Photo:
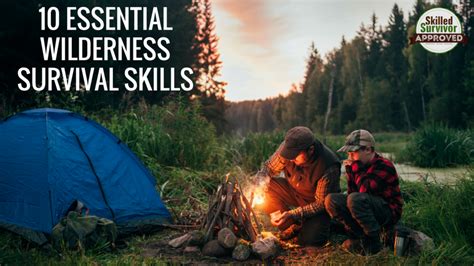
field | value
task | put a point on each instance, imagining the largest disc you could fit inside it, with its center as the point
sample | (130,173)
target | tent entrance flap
(102,192)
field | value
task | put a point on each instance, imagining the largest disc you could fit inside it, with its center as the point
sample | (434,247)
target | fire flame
(257,200)
(257,197)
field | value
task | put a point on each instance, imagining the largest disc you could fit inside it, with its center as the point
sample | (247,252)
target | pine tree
(467,13)
(211,88)
(445,4)
(418,70)
(418,9)
(374,43)
(311,64)
(396,67)
(311,84)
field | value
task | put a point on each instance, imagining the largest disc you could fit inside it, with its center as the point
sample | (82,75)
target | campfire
(230,209)
(230,226)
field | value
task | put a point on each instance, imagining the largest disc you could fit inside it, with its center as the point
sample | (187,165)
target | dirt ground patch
(158,249)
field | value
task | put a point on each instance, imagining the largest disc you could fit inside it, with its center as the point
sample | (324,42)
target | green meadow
(188,170)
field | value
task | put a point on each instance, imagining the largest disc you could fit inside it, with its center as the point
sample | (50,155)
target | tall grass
(436,145)
(254,149)
(173,135)
(391,142)
(251,151)
(444,213)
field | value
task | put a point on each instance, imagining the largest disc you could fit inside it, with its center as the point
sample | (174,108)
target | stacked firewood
(229,208)
(230,227)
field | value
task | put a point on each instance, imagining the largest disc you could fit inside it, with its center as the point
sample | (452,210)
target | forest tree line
(376,81)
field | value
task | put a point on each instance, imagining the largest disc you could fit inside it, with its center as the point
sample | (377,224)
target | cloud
(250,32)
(257,25)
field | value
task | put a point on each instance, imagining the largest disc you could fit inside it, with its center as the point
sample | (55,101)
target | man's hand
(347,162)
(280,218)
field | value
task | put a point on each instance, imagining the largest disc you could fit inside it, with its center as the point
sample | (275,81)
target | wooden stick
(251,198)
(220,221)
(252,229)
(229,196)
(235,223)
(209,216)
(240,213)
(182,226)
(219,209)
(230,208)
(212,205)
(259,228)
(248,223)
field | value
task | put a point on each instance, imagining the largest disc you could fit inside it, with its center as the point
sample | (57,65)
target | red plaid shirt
(378,178)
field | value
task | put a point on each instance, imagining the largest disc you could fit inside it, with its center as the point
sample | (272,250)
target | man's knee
(315,230)
(272,201)
(267,208)
(271,204)
(356,200)
(334,202)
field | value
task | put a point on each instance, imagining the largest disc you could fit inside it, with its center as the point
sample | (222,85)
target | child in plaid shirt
(373,197)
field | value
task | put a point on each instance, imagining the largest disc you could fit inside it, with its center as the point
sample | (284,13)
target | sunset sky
(264,43)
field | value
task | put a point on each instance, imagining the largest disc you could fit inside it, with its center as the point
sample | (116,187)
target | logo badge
(438,30)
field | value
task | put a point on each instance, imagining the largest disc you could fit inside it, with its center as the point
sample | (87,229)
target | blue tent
(49,158)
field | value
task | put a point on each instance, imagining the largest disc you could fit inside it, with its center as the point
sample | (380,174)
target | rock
(197,238)
(241,252)
(419,242)
(214,249)
(191,249)
(266,247)
(179,241)
(226,238)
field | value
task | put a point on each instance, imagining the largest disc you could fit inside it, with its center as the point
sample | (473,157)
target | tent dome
(49,158)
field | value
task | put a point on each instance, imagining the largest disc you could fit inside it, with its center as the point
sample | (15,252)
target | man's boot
(290,232)
(353,245)
(372,244)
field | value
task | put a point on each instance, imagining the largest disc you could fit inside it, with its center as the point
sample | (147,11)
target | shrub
(172,135)
(256,148)
(435,145)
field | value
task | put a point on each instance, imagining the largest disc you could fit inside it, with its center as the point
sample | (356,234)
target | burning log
(229,226)
(230,209)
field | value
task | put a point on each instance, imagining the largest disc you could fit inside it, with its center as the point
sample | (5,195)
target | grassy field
(443,212)
(188,170)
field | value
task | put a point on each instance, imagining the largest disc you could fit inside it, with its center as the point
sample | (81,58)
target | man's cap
(357,139)
(297,139)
